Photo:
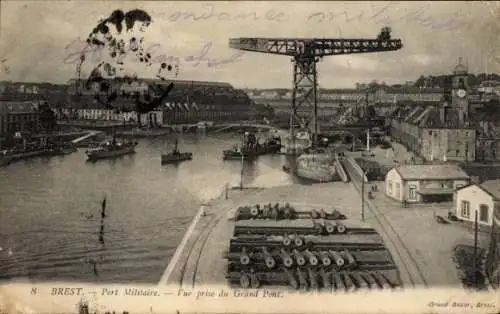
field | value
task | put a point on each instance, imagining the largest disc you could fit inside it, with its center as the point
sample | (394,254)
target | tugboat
(111,149)
(175,156)
(238,153)
(247,151)
(270,146)
(5,158)
(62,149)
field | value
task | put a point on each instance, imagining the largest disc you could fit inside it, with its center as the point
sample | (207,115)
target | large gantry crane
(305,53)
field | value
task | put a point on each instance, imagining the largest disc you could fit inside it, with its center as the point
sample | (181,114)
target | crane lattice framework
(306,53)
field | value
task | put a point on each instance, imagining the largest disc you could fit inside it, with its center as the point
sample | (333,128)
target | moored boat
(237,154)
(4,158)
(14,155)
(175,156)
(270,146)
(111,149)
(315,167)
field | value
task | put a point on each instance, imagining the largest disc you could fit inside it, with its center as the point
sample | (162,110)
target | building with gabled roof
(480,198)
(440,132)
(18,116)
(424,183)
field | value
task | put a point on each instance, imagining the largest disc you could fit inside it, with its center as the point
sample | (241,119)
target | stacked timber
(278,212)
(309,251)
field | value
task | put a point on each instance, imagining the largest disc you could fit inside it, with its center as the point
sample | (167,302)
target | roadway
(410,272)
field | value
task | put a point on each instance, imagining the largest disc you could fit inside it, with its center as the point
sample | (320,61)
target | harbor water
(50,209)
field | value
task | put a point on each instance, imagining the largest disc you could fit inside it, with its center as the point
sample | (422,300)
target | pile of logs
(305,250)
(277,212)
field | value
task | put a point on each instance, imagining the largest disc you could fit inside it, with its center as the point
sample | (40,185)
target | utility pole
(242,160)
(363,195)
(474,268)
(368,140)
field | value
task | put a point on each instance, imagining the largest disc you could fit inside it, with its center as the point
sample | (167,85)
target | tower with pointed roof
(460,91)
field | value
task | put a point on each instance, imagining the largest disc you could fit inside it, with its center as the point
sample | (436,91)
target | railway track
(410,265)
(202,238)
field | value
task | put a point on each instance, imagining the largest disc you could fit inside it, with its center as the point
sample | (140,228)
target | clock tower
(460,90)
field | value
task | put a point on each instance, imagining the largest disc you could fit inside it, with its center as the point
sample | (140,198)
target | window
(412,192)
(483,212)
(389,187)
(465,209)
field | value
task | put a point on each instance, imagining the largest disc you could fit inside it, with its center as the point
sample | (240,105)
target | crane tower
(306,53)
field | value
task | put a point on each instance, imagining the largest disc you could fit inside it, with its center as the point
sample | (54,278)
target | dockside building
(443,132)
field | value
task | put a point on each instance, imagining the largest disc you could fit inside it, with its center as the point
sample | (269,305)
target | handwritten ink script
(4,66)
(95,53)
(386,15)
(209,12)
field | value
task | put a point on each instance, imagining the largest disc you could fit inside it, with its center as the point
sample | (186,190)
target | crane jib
(306,52)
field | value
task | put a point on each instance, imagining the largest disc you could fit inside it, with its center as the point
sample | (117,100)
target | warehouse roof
(431,172)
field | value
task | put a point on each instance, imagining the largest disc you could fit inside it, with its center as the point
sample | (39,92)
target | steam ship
(111,149)
(175,156)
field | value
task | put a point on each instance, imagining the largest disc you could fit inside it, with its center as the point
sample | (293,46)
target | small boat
(175,156)
(19,154)
(111,149)
(5,159)
(251,149)
(270,146)
(238,154)
(62,150)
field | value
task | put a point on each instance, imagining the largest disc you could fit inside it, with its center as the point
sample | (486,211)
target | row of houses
(384,94)
(169,113)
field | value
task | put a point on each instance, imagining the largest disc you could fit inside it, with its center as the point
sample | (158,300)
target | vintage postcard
(249,157)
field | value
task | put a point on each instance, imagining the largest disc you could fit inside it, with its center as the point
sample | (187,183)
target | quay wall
(340,169)
(357,168)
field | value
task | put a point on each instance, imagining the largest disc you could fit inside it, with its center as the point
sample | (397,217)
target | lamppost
(363,194)
(242,152)
(474,267)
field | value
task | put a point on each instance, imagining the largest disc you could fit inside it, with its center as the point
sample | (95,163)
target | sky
(36,38)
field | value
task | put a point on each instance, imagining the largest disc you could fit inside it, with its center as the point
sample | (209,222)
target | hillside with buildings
(188,102)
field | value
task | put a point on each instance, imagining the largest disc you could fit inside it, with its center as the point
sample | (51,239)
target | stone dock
(199,259)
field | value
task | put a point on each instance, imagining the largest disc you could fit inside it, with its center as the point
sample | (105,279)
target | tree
(420,82)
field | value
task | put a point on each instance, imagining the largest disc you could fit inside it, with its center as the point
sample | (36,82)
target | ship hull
(315,174)
(4,161)
(237,157)
(315,167)
(98,155)
(172,159)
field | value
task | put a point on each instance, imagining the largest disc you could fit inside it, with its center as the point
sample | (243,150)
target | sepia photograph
(256,154)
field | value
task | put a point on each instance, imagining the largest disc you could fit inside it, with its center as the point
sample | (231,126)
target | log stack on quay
(274,245)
